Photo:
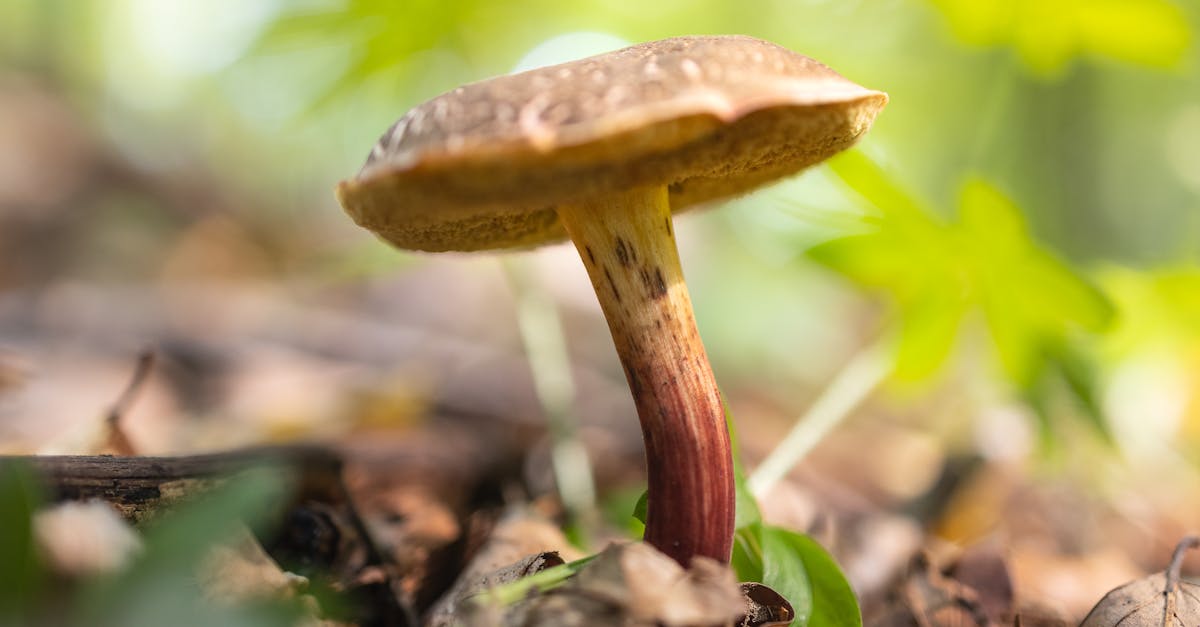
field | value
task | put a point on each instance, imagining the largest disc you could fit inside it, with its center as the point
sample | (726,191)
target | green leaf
(746,559)
(746,512)
(929,327)
(21,573)
(1152,33)
(639,509)
(1048,35)
(541,581)
(936,274)
(746,506)
(875,185)
(798,568)
(785,571)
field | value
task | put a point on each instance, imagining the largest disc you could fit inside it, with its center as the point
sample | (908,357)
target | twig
(140,487)
(1188,542)
(549,363)
(1171,590)
(118,441)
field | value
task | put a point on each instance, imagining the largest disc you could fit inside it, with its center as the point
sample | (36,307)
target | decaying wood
(140,487)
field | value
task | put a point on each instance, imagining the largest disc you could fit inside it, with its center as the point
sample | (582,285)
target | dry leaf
(765,607)
(984,569)
(1160,600)
(930,597)
(241,570)
(652,588)
(522,543)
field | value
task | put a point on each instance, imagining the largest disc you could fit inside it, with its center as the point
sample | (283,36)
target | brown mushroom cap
(485,165)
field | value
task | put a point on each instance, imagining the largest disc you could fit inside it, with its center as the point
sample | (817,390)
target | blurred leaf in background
(22,576)
(936,273)
(1048,35)
(1154,352)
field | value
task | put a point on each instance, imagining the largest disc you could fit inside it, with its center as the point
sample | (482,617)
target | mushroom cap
(485,165)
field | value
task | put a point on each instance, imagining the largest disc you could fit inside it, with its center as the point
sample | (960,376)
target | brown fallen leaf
(1160,600)
(984,569)
(522,543)
(974,590)
(765,607)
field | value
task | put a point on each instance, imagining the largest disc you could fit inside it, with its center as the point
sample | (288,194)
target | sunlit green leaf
(929,327)
(875,185)
(1048,35)
(937,273)
(1152,33)
(1160,309)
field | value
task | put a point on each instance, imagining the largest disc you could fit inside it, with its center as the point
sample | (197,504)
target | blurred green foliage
(937,273)
(1048,35)
(21,574)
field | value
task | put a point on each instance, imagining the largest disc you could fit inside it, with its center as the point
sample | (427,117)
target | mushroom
(603,150)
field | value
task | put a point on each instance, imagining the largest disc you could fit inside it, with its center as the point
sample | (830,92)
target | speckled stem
(627,243)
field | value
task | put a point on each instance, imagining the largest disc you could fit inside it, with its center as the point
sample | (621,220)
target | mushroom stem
(627,244)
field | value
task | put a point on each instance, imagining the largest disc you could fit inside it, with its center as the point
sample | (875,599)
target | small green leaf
(746,560)
(541,581)
(785,571)
(746,506)
(639,509)
(796,567)
(746,512)
(802,571)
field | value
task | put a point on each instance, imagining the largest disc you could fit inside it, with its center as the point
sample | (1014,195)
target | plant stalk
(627,243)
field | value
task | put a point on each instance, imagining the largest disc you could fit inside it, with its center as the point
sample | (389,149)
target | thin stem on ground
(866,370)
(550,366)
